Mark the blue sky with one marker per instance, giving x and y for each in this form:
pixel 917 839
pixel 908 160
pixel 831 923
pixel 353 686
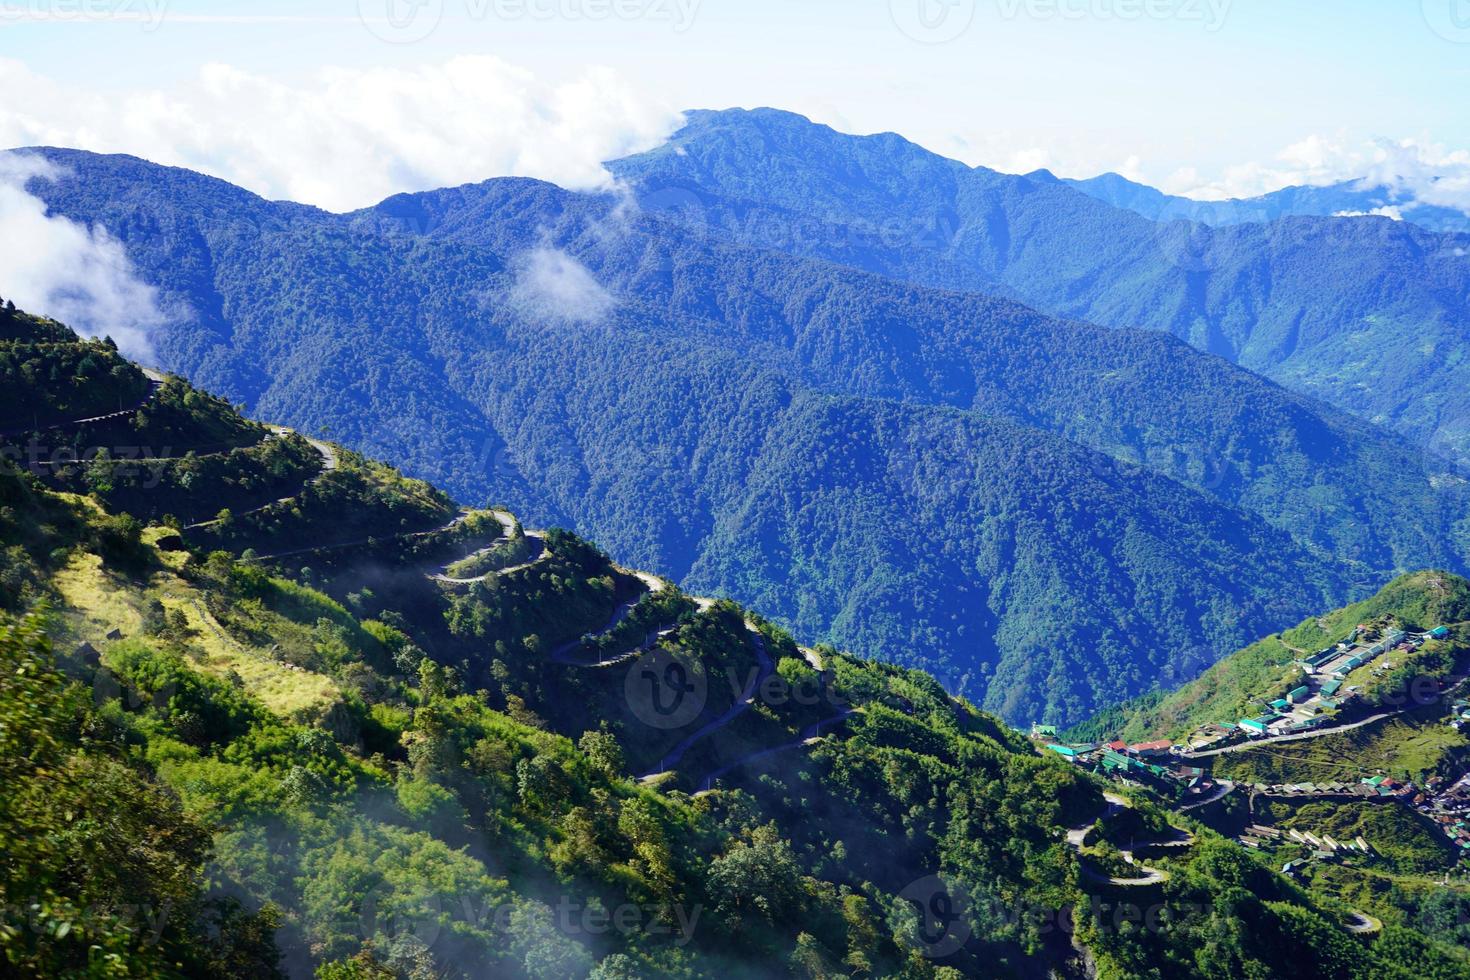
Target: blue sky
pixel 1200 96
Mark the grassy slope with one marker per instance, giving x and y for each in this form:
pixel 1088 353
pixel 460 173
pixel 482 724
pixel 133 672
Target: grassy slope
pixel 1414 744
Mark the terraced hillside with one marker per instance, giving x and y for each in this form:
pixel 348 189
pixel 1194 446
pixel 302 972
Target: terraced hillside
pixel 358 731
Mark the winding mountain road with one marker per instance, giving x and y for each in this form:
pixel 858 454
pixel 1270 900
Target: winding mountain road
pixel 508 524
pixel 1222 789
pixel 330 462
pixel 155 382
pixel 1293 737
pixel 337 546
pixel 741 705
pixel 1077 837
pixel 562 654
pixel 810 735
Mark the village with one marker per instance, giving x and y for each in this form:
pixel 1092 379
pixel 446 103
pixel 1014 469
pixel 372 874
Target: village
pixel 1327 698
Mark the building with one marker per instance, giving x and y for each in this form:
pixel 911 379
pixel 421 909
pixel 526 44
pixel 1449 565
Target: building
pixel 1299 695
pixel 1150 750
pixel 1252 726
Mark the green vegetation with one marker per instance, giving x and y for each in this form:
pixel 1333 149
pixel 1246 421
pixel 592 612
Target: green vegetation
pixel 357 504
pixel 161 488
pixel 349 769
pixel 1402 841
pixel 1413 745
pixel 47 376
pixel 504 554
pixel 100 863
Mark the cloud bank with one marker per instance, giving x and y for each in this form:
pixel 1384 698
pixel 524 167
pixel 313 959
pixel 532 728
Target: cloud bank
pixel 78 275
pixel 1414 171
pixel 347 138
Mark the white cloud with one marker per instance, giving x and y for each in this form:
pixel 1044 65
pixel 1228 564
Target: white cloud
pixel 347 138
pixel 53 266
pixel 550 284
pixel 1413 171
pixel 1387 211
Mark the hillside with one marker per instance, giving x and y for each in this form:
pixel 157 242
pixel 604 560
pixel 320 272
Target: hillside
pixel 1369 315
pixel 362 733
pixel 622 374
pixel 1338 751
pixel 1239 684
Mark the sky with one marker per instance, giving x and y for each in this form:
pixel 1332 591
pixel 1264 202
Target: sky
pixel 342 102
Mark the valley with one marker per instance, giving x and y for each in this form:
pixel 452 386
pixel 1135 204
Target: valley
pixel 986 497
pixel 951 481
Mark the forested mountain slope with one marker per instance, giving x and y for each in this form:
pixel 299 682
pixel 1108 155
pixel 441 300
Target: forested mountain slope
pixel 358 733
pixel 1370 315
pixel 608 368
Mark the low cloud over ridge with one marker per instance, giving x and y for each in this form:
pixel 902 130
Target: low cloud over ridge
pixel 76 274
pixel 347 138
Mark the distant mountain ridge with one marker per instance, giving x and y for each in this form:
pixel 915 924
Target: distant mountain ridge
pixel 1370 315
pixel 1048 514
pixel 1347 197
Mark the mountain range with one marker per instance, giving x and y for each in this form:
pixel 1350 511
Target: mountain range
pixel 794 367
pixel 1349 198
pixel 1366 314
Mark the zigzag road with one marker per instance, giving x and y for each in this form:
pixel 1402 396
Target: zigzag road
pixel 155 382
pixel 741 705
pixel 809 736
pixel 1077 836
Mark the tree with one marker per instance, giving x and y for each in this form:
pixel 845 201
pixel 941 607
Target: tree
pixel 603 751
pixel 760 879
pixel 106 860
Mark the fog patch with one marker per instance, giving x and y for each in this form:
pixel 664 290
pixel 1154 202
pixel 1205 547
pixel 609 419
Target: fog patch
pixel 80 275
pixel 552 285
